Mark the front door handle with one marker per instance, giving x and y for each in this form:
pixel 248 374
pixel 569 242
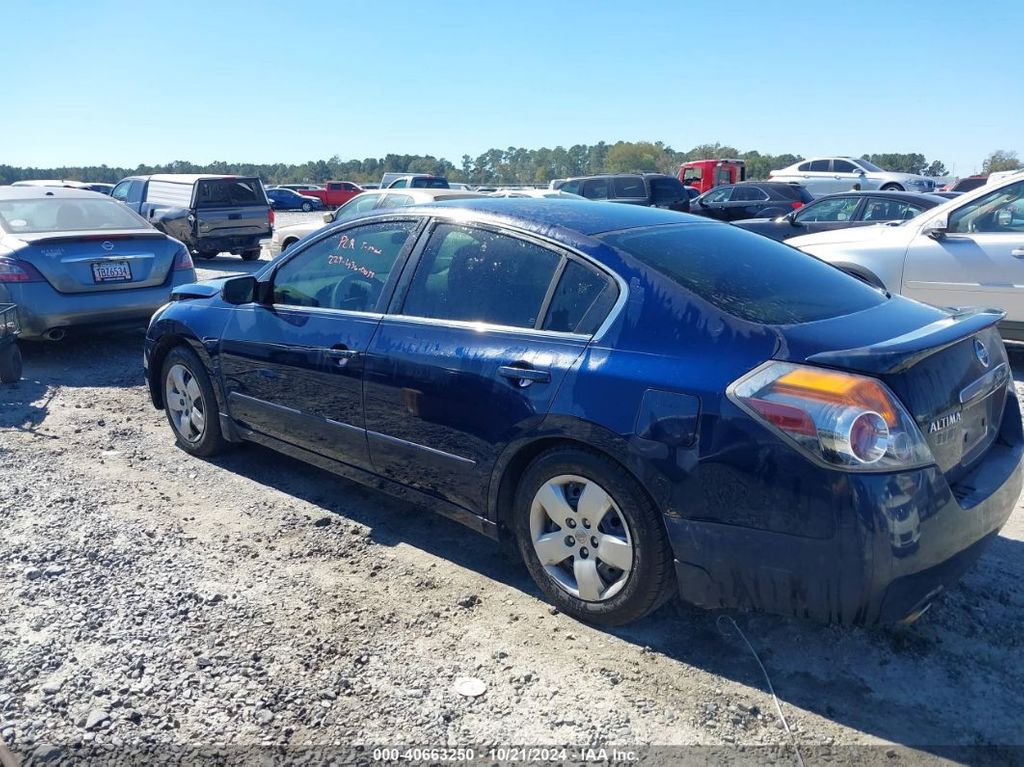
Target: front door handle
pixel 523 376
pixel 341 354
pixel 1017 252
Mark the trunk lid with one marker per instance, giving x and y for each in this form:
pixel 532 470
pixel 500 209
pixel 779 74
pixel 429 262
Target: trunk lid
pixel 86 262
pixel 948 367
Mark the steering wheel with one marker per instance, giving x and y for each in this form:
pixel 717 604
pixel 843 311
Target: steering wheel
pixel 342 290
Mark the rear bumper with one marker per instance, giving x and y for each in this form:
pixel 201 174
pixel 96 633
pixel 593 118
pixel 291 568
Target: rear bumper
pixel 41 308
pixel 901 540
pixel 228 243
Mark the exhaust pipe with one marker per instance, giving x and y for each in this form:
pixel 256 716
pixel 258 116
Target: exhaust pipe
pixel 55 334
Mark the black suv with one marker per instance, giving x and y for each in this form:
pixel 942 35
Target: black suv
pixel 750 199
pixel 655 190
pixel 210 214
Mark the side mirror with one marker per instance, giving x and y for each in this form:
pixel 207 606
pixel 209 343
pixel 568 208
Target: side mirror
pixel 239 290
pixel 791 218
pixel 329 217
pixel 936 228
pixel 703 203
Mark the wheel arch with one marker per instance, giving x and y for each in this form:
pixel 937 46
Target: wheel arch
pixel 517 457
pixel 171 338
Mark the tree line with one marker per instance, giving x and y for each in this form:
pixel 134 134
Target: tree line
pixel 514 165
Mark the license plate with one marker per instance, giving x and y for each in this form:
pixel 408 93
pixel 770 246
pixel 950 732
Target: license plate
pixel 112 271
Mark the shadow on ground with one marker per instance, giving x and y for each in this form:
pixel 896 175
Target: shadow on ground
pixel 951 680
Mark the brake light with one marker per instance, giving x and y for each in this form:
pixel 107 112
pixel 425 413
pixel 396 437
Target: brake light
pixel 183 259
pixel 13 270
pixel 844 420
pixel 796 205
pixel 270 217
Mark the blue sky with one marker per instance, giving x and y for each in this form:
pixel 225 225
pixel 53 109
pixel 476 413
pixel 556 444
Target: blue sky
pixel 123 83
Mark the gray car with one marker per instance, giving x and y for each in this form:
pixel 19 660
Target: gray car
pixel 70 257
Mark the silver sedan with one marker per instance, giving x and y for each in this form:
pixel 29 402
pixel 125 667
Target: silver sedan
pixel 70 257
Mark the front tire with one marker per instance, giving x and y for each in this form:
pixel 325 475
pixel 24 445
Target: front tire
pixel 191 404
pixel 307 207
pixel 591 538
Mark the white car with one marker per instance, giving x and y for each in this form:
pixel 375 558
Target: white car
pixel 825 175
pixel 537 193
pixel 968 251
pixel 286 236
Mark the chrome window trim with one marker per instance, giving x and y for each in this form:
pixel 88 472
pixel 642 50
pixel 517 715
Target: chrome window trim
pixel 486 327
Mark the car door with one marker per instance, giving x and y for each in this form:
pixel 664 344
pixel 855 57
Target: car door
pixel 712 204
pixel 472 354
pixel 838 212
pixel 979 260
pixel 746 202
pixel 816 177
pixel 844 175
pixel 293 367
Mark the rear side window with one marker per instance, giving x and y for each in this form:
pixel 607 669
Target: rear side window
pixel 212 192
pixel 596 189
pixel 474 275
pixel 791 192
pixel 819 166
pixel 748 194
pixel 627 186
pixel 749 276
pixel 582 299
pixel 667 190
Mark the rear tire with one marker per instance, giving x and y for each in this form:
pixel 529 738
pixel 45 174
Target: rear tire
pixel 10 364
pixel 191 403
pixel 893 188
pixel 607 559
pixel 251 255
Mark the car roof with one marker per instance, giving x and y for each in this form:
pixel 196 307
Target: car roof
pixel 588 217
pixel 43 192
pixel 190 178
pixel 885 193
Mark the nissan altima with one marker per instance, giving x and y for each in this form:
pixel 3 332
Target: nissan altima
pixel 647 403
pixel 69 257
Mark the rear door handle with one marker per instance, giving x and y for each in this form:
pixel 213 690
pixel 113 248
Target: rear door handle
pixel 522 376
pixel 1017 252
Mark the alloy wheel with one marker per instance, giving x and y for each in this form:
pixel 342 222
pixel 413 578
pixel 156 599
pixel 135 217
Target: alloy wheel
pixel 581 538
pixel 185 403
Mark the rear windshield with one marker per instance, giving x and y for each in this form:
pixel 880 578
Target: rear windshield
pixel 791 192
pixel 54 214
pixel 429 183
pixel 749 276
pixel 213 192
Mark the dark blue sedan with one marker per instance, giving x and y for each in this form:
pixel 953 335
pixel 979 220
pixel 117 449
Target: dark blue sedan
pixel 288 199
pixel 649 403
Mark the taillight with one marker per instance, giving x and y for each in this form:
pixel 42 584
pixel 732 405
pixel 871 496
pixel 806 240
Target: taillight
pixel 12 270
pixel 183 259
pixel 796 205
pixel 270 217
pixel 844 420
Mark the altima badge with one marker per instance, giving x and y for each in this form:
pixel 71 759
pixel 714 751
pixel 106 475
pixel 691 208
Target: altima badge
pixel 981 353
pixel 945 422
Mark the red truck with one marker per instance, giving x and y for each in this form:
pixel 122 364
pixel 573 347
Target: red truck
pixel 706 174
pixel 334 193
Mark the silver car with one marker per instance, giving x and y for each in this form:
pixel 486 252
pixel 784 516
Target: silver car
pixel 286 236
pixel 70 257
pixel 828 175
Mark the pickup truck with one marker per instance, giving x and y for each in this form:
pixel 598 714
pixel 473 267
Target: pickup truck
pixel 334 193
pixel 209 214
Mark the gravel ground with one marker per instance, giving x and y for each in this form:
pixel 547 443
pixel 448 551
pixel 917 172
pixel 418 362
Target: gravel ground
pixel 156 601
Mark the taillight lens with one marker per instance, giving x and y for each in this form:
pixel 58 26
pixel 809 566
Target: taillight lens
pixel 796 205
pixel 13 270
pixel 270 217
pixel 183 259
pixel 844 420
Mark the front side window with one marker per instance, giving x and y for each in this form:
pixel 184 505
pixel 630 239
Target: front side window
pixel 718 195
pixel 692 176
pixel 746 275
pixel 346 270
pixel 832 209
pixel 573 187
pixel 400 184
pixel 359 204
pixel 120 192
pixel 842 166
pixel 475 275
pixel 888 210
pixel 998 211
